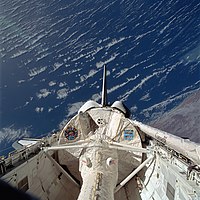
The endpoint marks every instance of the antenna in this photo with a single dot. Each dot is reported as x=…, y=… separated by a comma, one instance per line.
x=104, y=89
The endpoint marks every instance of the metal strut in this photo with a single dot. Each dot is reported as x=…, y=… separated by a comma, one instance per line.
x=131, y=175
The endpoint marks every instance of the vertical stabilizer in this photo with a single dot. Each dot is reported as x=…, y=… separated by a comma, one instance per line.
x=104, y=89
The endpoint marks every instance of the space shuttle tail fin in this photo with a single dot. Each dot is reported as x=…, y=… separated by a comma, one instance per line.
x=104, y=89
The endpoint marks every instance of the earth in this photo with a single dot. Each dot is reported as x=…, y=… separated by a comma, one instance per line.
x=52, y=53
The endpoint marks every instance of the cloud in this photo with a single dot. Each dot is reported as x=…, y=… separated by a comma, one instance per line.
x=193, y=55
x=124, y=70
x=62, y=84
x=43, y=93
x=52, y=83
x=38, y=110
x=101, y=63
x=138, y=86
x=84, y=77
x=21, y=81
x=71, y=110
x=19, y=53
x=62, y=93
x=96, y=97
x=9, y=135
x=146, y=97
x=35, y=71
x=115, y=41
x=56, y=66
x=116, y=87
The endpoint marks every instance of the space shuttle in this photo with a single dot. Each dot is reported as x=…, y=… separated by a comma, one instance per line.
x=101, y=154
